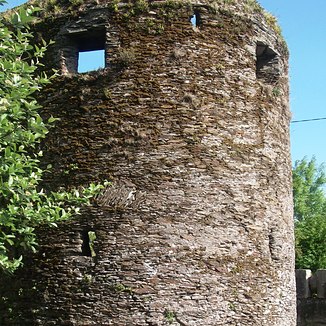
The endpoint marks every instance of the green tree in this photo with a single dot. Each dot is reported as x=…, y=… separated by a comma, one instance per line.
x=308, y=193
x=23, y=203
x=309, y=214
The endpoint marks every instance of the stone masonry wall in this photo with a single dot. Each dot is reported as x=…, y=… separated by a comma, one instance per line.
x=190, y=124
x=311, y=297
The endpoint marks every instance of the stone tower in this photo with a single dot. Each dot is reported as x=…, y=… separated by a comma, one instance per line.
x=189, y=121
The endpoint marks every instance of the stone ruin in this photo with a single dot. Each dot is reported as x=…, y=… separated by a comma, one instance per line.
x=189, y=121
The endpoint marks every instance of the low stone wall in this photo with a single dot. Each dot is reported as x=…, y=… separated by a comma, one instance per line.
x=311, y=297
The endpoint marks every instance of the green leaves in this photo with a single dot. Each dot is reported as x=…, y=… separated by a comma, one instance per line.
x=23, y=204
x=308, y=194
x=310, y=214
x=23, y=17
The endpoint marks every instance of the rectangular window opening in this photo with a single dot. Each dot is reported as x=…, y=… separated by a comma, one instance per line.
x=91, y=60
x=88, y=239
x=84, y=51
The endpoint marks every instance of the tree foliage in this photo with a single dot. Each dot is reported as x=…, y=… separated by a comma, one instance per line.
x=309, y=214
x=23, y=203
x=308, y=182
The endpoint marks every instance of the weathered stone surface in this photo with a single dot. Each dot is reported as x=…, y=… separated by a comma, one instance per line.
x=311, y=312
x=321, y=283
x=303, y=278
x=198, y=227
x=311, y=301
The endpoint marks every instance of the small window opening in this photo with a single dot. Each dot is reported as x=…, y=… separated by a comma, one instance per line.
x=195, y=19
x=85, y=51
x=267, y=63
x=88, y=239
x=91, y=60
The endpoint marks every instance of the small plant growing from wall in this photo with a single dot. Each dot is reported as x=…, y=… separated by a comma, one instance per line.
x=71, y=167
x=276, y=91
x=126, y=57
x=121, y=288
x=141, y=6
x=253, y=4
x=272, y=22
x=169, y=316
x=87, y=279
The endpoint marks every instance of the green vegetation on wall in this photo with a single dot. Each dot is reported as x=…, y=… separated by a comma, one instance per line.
x=24, y=204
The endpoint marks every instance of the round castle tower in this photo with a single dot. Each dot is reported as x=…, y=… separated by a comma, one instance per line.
x=189, y=121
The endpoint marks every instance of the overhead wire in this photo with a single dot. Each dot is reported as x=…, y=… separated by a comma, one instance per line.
x=308, y=120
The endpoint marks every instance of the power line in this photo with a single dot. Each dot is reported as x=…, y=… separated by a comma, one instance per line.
x=307, y=120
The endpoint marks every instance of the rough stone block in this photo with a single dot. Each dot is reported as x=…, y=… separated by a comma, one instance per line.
x=321, y=283
x=302, y=277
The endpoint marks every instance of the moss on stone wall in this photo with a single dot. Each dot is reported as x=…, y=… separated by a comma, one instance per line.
x=54, y=8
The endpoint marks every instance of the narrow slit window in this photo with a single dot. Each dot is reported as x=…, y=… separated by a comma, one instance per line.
x=91, y=60
x=88, y=239
x=195, y=19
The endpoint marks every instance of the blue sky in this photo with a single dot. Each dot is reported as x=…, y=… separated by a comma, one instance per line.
x=11, y=4
x=304, y=28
